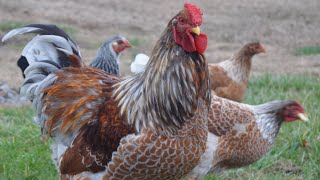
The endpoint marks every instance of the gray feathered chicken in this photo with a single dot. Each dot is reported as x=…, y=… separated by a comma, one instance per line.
x=107, y=57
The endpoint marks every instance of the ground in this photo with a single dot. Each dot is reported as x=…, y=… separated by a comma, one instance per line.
x=281, y=26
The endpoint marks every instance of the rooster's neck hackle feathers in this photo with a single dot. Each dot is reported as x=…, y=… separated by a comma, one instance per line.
x=167, y=93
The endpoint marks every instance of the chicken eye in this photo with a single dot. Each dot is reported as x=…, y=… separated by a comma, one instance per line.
x=182, y=21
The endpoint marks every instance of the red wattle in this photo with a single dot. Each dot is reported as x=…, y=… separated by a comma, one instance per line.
x=201, y=42
x=189, y=43
x=185, y=40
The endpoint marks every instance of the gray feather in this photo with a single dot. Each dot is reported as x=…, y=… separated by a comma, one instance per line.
x=18, y=31
x=106, y=58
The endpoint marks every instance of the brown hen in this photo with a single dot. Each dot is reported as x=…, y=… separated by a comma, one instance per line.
x=240, y=134
x=229, y=78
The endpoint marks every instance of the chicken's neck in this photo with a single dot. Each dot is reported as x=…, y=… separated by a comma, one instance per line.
x=268, y=118
x=238, y=66
x=170, y=90
x=107, y=60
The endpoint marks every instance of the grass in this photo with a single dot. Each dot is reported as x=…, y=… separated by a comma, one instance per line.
x=23, y=154
x=295, y=154
x=310, y=50
x=68, y=29
x=136, y=43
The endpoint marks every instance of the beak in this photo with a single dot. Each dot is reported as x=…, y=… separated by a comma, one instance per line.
x=127, y=44
x=196, y=30
x=303, y=117
x=263, y=50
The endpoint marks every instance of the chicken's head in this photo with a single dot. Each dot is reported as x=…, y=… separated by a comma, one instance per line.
x=186, y=29
x=254, y=48
x=294, y=111
x=120, y=43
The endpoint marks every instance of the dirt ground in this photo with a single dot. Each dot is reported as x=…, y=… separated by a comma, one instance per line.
x=281, y=25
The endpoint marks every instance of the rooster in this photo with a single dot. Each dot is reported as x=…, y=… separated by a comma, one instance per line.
x=229, y=78
x=240, y=134
x=107, y=57
x=151, y=125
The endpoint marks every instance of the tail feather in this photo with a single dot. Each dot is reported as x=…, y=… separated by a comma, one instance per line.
x=42, y=29
x=23, y=64
x=52, y=49
x=49, y=47
x=22, y=30
x=35, y=78
x=49, y=38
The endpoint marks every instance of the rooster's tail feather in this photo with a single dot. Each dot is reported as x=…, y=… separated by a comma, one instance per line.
x=52, y=49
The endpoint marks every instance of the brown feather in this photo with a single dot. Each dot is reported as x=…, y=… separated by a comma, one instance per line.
x=100, y=133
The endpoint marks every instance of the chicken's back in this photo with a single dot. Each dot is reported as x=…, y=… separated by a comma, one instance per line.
x=224, y=86
x=234, y=138
x=240, y=139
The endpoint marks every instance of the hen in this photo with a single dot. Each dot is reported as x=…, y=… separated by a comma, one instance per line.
x=107, y=57
x=89, y=113
x=229, y=78
x=240, y=134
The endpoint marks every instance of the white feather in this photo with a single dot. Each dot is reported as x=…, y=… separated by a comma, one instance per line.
x=139, y=63
x=207, y=159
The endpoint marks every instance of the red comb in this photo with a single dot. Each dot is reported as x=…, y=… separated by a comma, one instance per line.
x=195, y=13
